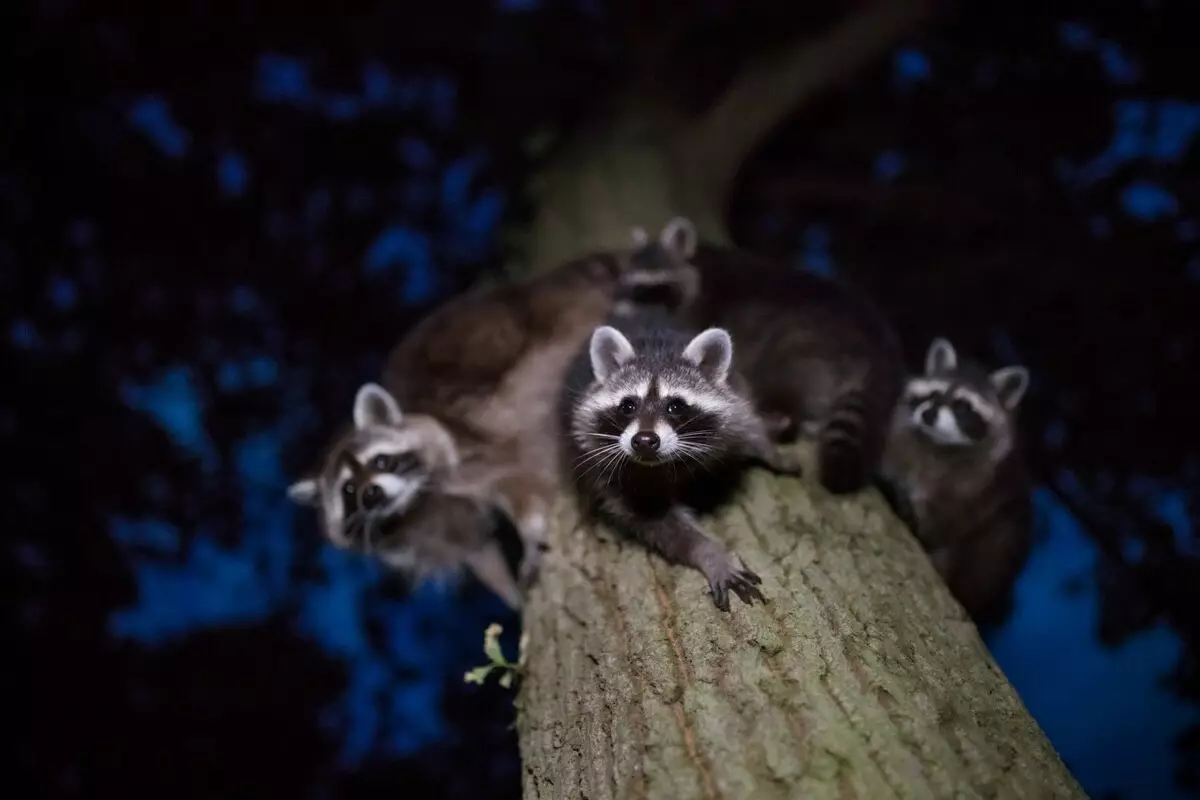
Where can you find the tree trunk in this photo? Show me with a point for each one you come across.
(862, 677)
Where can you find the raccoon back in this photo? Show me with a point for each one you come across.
(812, 348)
(479, 361)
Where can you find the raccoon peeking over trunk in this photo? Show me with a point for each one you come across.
(953, 453)
(391, 487)
(817, 355)
(647, 411)
(486, 366)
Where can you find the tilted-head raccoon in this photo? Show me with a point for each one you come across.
(392, 487)
(485, 369)
(953, 451)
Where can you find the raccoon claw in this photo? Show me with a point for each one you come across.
(741, 581)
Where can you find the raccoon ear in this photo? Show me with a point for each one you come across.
(940, 358)
(679, 238)
(304, 492)
(374, 405)
(712, 352)
(609, 350)
(1010, 384)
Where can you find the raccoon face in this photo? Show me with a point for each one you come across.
(657, 408)
(660, 272)
(957, 406)
(373, 473)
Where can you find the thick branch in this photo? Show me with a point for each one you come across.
(861, 678)
(774, 86)
(905, 201)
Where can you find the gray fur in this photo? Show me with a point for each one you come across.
(476, 378)
(953, 451)
(647, 409)
(817, 355)
(392, 486)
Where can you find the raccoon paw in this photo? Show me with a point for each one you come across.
(731, 575)
(533, 536)
(531, 564)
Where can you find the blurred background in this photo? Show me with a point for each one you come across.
(217, 217)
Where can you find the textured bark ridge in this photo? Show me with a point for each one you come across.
(861, 678)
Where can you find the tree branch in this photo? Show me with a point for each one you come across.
(925, 202)
(772, 87)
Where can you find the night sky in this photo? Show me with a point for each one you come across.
(216, 218)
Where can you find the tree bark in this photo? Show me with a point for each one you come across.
(861, 678)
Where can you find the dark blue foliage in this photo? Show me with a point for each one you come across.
(208, 248)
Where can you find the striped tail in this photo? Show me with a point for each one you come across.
(850, 443)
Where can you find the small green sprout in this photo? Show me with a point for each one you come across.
(491, 648)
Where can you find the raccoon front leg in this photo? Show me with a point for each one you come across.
(896, 496)
(489, 567)
(679, 539)
(526, 498)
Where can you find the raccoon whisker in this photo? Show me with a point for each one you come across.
(596, 454)
(703, 441)
(688, 422)
(601, 457)
(694, 454)
(617, 463)
(600, 466)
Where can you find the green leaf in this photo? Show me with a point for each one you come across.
(506, 679)
(478, 674)
(491, 644)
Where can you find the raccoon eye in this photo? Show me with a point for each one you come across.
(676, 407)
(384, 463)
(628, 406)
(407, 462)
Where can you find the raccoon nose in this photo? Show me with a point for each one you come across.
(372, 497)
(645, 442)
(929, 415)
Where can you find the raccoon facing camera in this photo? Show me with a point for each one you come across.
(647, 413)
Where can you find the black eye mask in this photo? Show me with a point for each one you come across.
(970, 422)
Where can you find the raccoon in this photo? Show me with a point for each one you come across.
(391, 486)
(486, 368)
(648, 414)
(953, 452)
(818, 357)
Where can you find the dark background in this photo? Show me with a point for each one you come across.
(218, 216)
